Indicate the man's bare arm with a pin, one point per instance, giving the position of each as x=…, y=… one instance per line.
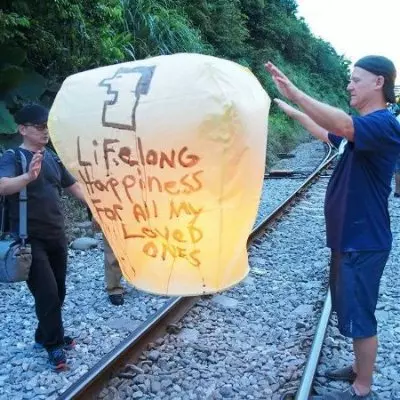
x=330, y=118
x=13, y=185
x=76, y=191
x=16, y=184
x=310, y=126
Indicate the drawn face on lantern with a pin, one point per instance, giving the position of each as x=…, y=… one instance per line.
x=170, y=152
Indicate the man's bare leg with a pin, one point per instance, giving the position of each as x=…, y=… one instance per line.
x=365, y=351
x=397, y=183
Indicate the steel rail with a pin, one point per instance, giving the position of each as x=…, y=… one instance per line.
x=307, y=379
x=85, y=386
x=88, y=384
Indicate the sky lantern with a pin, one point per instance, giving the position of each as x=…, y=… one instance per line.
x=170, y=152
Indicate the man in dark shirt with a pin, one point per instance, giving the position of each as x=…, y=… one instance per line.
x=356, y=204
x=44, y=180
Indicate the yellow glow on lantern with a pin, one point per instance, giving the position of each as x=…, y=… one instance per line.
x=170, y=152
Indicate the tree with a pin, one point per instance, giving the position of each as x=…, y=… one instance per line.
x=42, y=42
x=158, y=27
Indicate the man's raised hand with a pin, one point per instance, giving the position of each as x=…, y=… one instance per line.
x=35, y=166
x=282, y=82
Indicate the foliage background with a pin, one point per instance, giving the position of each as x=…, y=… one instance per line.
x=44, y=41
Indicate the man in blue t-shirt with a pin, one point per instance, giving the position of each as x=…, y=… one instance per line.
x=45, y=178
x=397, y=168
x=356, y=204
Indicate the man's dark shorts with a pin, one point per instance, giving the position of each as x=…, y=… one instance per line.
x=397, y=166
x=354, y=282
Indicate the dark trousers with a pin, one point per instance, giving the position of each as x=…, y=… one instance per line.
x=47, y=285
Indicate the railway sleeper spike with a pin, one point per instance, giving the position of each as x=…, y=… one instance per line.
x=173, y=329
x=132, y=368
x=126, y=375
x=289, y=395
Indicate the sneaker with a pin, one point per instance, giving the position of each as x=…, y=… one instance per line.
x=69, y=343
x=342, y=374
x=116, y=299
x=57, y=358
x=348, y=394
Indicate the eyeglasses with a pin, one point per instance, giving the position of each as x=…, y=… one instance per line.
x=39, y=127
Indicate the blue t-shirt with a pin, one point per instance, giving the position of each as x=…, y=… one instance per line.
x=356, y=203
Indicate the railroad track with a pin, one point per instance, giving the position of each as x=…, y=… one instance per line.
x=306, y=385
x=89, y=385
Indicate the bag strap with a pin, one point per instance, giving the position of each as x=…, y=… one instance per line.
x=3, y=216
x=23, y=199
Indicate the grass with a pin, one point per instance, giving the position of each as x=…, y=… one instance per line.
x=284, y=135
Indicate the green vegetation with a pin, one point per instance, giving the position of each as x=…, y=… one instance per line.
x=42, y=42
